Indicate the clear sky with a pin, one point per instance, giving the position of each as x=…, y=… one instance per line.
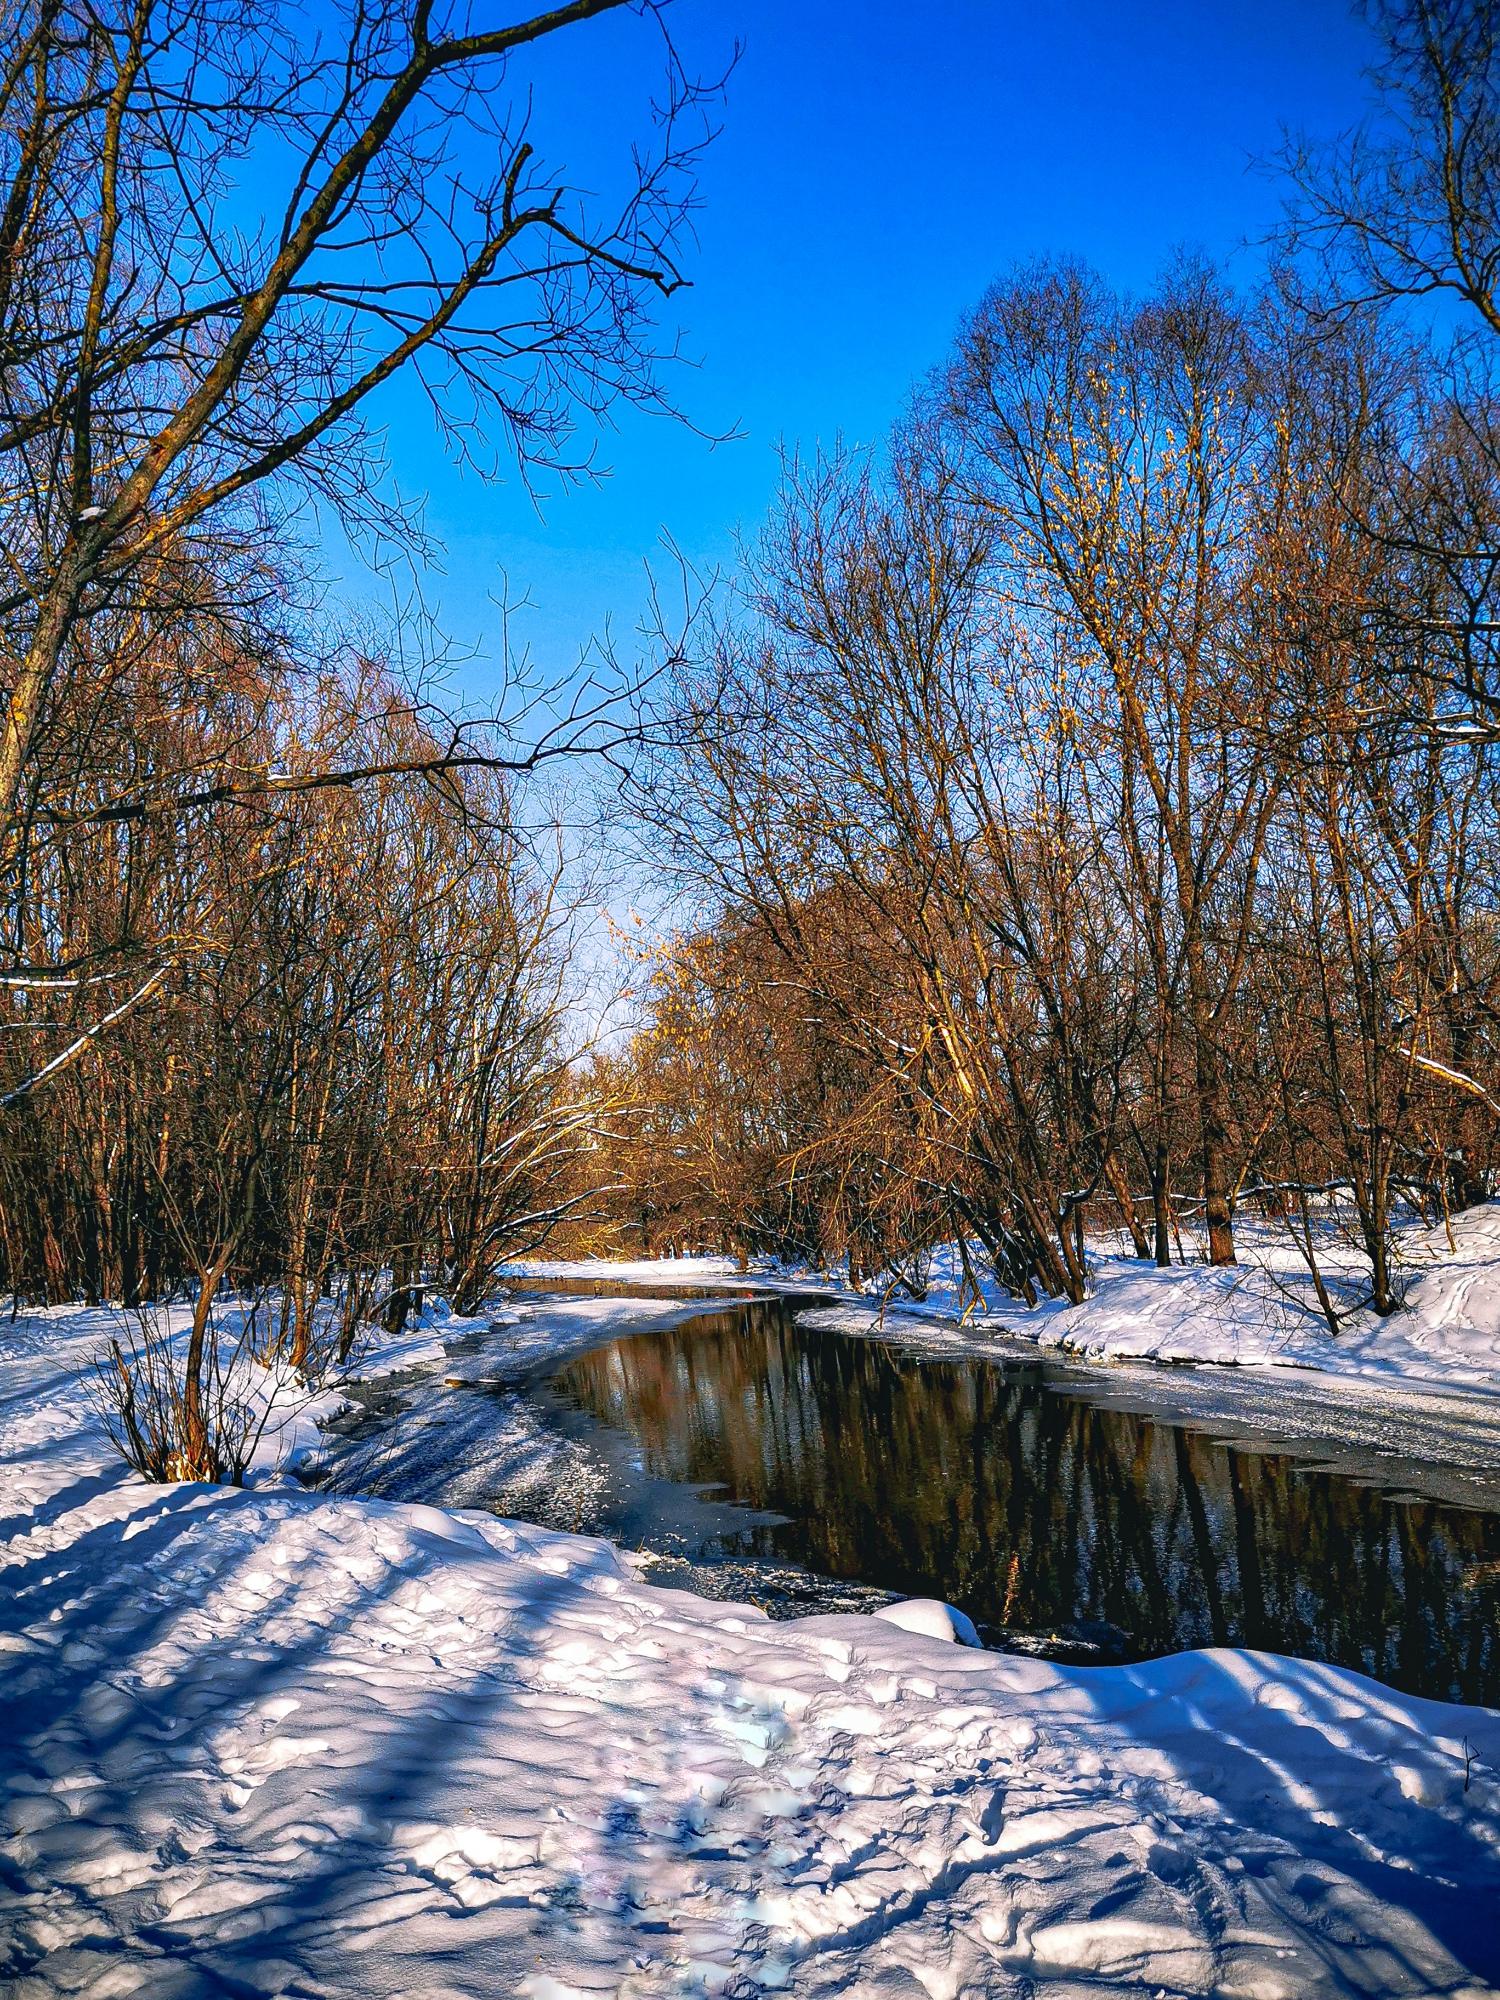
x=879, y=165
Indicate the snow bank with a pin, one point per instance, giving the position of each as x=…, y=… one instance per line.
x=1446, y=1335
x=932, y=1618
x=273, y=1742
x=1260, y=1313
x=635, y=1270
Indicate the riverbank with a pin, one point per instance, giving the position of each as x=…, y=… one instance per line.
x=275, y=1741
x=1262, y=1313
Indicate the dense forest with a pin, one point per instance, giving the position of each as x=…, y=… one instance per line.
x=1084, y=804
x=1094, y=800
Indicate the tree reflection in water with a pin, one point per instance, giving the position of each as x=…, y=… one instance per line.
x=1040, y=1513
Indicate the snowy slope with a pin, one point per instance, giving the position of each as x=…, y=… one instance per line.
x=276, y=1743
x=1446, y=1335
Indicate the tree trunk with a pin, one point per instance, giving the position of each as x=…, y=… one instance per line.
x=1161, y=1209
x=1120, y=1188
x=1213, y=1134
x=196, y=1450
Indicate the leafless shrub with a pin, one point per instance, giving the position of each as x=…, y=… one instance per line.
x=140, y=1391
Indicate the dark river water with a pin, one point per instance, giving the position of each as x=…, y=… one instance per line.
x=1059, y=1526
x=756, y=1456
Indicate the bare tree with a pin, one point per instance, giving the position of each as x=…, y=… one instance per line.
x=1396, y=226
x=220, y=237
x=1407, y=205
x=1126, y=454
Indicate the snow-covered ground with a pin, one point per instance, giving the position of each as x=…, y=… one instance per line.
x=276, y=1742
x=1261, y=1312
x=1445, y=1336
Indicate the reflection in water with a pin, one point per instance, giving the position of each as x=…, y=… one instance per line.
x=1039, y=1513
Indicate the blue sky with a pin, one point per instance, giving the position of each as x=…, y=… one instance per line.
x=879, y=165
